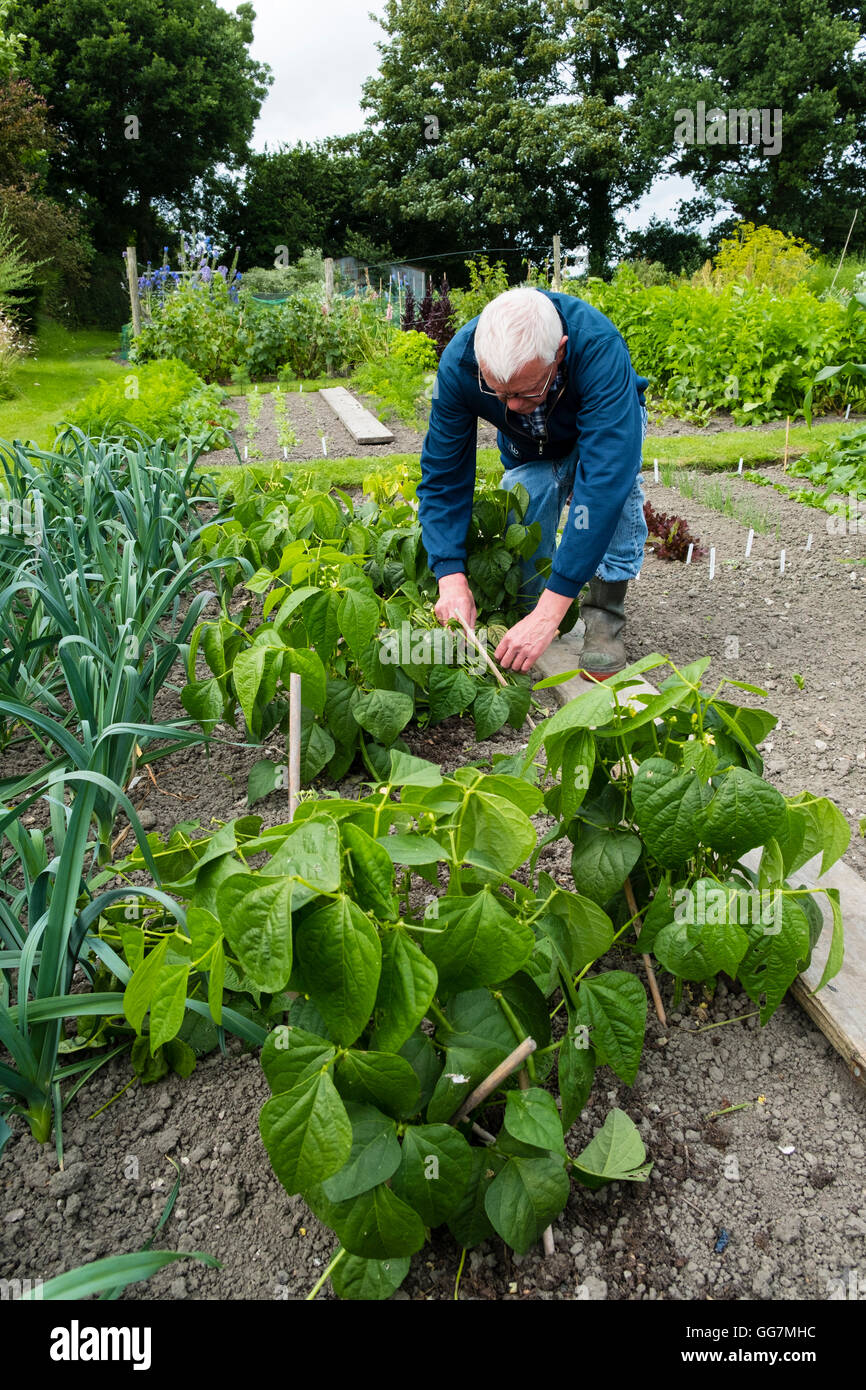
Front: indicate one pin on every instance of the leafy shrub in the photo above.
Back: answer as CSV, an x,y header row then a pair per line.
x,y
168,401
486,281
646,272
740,348
306,275
764,256
416,349
303,334
399,388
197,324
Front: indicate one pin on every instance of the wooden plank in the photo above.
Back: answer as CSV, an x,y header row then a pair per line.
x,y
361,424
840,1008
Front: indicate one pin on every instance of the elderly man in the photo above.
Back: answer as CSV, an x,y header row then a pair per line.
x,y
555,377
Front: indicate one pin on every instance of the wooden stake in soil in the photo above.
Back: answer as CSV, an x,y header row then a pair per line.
x,y
651,978
294,742
712,561
689,556
132,280
749,539
514,1060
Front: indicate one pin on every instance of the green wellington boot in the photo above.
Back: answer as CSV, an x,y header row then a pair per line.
x,y
603,612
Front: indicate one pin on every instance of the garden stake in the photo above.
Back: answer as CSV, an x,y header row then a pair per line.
x,y
654,989
781,562
482,1091
484,652
656,469
848,410
809,541
547,1235
740,467
712,561
294,742
689,556
749,539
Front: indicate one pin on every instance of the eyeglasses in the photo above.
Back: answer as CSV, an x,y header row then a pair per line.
x,y
516,395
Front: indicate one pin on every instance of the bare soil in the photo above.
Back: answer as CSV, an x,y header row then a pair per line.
x,y
765,1202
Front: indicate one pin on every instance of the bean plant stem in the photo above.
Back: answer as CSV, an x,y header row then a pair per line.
x,y
327,1274
459,1273
654,989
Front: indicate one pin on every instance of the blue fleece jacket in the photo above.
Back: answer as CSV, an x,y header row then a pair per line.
x,y
599,410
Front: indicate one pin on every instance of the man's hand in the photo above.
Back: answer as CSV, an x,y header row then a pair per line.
x,y
455,600
523,644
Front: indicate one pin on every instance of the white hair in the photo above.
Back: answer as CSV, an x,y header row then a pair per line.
x,y
515,328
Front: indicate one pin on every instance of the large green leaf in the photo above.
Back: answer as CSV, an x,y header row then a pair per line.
x,y
576,1071
425,1062
469,1223
435,1167
407,985
308,665
490,710
384,713
667,803
450,691
822,830
168,1003
291,1055
493,832
745,812
256,915
310,854
524,1198
369,1281
532,1117
578,928
613,1007
375,1226
379,1078
602,861
340,957
317,748
775,957
374,1157
372,874
615,1154
306,1132
358,616
480,942
255,674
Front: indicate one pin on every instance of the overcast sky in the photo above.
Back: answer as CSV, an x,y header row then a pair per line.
x,y
320,52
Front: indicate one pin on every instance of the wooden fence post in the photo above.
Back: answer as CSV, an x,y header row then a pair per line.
x,y
132,279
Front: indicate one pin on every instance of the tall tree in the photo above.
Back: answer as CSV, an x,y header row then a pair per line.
x,y
800,65
496,123
148,97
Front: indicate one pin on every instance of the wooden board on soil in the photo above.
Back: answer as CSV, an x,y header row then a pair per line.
x,y
361,424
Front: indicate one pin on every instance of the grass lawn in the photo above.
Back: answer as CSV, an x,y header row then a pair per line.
x,y
66,364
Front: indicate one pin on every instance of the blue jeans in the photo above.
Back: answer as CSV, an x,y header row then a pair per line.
x,y
549,485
